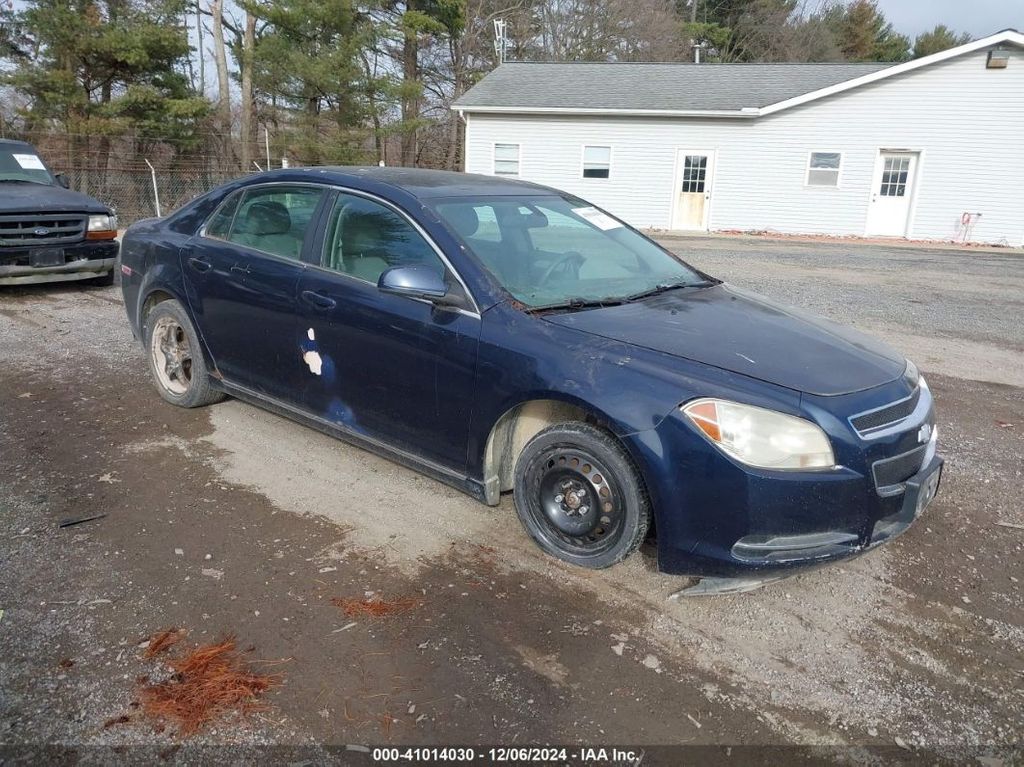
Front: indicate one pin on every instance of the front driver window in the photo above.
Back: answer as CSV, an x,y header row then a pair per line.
x,y
274,219
364,238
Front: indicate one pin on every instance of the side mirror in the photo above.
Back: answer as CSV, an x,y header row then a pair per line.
x,y
414,282
62,179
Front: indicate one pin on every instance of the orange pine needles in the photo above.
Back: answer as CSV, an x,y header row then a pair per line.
x,y
209,682
376,607
161,641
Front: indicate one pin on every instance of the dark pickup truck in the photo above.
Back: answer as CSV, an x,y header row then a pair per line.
x,y
49,233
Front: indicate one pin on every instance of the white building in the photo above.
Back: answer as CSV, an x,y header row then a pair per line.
x,y
929,149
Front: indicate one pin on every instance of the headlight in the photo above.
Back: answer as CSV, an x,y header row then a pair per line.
x,y
760,437
102,223
102,226
912,374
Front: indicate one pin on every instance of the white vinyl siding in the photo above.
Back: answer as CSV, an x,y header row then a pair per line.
x,y
957,114
506,160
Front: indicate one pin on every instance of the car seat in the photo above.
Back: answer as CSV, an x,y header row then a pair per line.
x,y
362,252
267,225
464,219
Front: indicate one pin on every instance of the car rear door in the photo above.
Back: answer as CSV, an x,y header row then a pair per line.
x,y
392,368
242,272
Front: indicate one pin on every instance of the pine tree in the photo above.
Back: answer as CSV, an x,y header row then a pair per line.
x,y
107,66
939,39
863,34
306,63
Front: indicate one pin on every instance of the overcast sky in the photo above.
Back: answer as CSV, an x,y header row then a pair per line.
x,y
978,17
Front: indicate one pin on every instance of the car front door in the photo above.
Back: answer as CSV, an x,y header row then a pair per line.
x,y
392,368
242,273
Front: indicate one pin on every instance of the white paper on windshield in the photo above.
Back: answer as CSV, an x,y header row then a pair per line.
x,y
29,162
597,218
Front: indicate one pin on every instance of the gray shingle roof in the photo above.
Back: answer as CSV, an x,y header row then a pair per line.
x,y
672,87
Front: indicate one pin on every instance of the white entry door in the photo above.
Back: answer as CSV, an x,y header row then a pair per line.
x,y
694,173
889,209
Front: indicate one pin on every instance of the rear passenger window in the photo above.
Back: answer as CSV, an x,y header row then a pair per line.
x,y
219,224
364,238
274,219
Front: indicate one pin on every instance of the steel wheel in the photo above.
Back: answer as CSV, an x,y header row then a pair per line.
x,y
580,496
579,508
172,355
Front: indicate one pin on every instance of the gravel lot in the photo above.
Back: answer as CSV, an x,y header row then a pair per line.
x,y
231,519
954,312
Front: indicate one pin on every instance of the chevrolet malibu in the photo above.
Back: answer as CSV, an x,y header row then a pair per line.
x,y
502,336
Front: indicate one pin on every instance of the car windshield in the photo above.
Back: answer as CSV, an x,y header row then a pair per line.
x,y
554,251
21,163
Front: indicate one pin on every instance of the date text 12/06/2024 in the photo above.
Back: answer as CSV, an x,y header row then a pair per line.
x,y
510,754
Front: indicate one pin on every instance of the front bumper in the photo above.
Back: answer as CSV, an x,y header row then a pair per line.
x,y
811,548
80,261
715,517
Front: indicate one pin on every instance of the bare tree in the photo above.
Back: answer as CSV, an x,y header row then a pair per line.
x,y
598,30
410,78
782,31
221,59
245,65
200,52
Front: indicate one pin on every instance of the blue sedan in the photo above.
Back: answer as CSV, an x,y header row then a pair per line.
x,y
502,336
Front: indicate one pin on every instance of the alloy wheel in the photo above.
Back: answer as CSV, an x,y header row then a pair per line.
x,y
172,355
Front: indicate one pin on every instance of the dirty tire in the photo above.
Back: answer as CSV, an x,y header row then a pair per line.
x,y
580,497
176,359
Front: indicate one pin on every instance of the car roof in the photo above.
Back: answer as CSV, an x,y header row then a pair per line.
x,y
14,142
418,182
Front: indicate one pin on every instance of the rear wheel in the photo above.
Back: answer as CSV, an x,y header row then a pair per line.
x,y
176,359
579,496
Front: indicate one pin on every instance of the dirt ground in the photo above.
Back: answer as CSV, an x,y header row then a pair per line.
x,y
230,520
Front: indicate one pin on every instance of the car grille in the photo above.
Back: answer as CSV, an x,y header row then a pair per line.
x,y
891,473
865,423
27,230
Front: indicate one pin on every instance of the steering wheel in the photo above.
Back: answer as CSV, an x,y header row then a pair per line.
x,y
570,259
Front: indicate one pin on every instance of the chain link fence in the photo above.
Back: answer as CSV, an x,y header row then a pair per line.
x,y
137,177
134,193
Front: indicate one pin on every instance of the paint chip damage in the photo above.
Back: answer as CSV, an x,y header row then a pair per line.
x,y
310,355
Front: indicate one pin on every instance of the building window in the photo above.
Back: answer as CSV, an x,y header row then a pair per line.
x,y
823,169
597,161
506,159
695,172
894,177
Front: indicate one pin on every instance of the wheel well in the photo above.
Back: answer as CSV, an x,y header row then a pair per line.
x,y
154,298
513,430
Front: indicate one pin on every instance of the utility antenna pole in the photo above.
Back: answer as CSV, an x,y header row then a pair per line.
x,y
500,39
693,20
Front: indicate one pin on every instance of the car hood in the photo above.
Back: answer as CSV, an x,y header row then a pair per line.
x,y
745,333
39,198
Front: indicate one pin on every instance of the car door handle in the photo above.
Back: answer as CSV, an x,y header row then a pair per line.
x,y
200,264
243,269
318,300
